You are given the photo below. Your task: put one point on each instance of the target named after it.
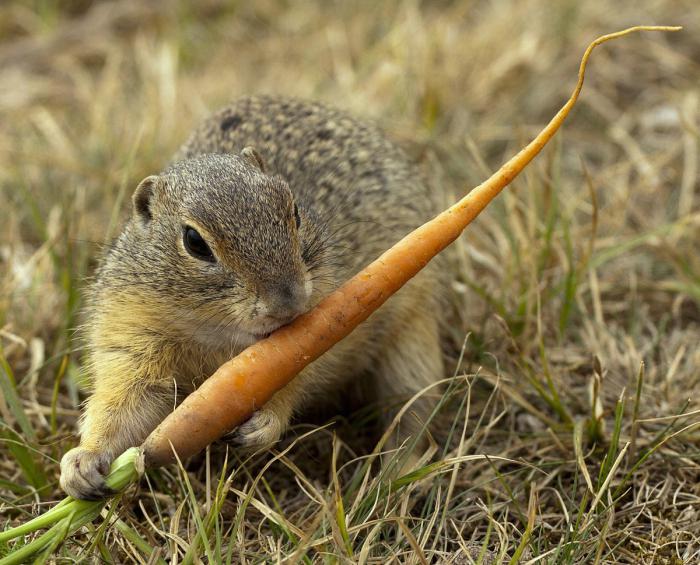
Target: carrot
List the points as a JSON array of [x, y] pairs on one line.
[[247, 382]]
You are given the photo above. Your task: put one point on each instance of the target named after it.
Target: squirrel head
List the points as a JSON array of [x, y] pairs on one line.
[[227, 243]]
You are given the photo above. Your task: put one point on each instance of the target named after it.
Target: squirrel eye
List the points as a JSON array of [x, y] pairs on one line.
[[297, 217], [196, 246]]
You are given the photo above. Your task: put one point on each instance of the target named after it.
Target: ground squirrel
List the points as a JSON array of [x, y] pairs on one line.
[[268, 206]]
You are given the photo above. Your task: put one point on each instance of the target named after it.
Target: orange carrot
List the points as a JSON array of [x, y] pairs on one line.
[[248, 381]]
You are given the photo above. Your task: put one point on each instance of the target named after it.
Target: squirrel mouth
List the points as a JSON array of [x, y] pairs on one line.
[[263, 334], [268, 328]]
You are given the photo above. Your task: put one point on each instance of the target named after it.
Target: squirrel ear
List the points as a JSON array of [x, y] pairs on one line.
[[254, 158], [142, 197]]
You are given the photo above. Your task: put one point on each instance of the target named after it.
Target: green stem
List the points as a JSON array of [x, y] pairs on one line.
[[44, 521], [70, 514], [23, 554]]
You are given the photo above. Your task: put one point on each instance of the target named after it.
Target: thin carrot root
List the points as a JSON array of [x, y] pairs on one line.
[[248, 381]]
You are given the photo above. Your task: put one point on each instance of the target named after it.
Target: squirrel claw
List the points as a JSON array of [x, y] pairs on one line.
[[83, 474], [262, 429]]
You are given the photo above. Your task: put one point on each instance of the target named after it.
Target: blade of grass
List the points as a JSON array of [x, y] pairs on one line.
[[7, 387], [531, 516]]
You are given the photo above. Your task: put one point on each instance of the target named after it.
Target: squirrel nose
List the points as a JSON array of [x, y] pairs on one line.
[[286, 301]]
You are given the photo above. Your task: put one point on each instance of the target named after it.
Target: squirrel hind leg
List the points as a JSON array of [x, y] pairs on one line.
[[408, 366]]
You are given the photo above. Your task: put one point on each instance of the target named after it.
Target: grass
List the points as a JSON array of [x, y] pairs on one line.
[[570, 431]]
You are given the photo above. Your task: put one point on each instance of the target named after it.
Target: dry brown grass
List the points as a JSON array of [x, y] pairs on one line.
[[587, 268]]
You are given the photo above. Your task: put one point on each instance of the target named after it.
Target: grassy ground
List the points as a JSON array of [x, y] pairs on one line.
[[570, 433]]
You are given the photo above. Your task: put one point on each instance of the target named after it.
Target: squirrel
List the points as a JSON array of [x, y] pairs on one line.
[[270, 204]]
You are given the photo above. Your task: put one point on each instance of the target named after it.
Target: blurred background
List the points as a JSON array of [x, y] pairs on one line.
[[587, 267]]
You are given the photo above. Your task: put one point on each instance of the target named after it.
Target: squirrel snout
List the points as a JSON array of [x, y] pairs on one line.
[[286, 301]]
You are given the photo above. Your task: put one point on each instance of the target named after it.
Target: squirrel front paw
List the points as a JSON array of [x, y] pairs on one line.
[[264, 428], [83, 473]]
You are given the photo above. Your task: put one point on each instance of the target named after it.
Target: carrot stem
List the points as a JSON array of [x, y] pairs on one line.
[[248, 381]]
